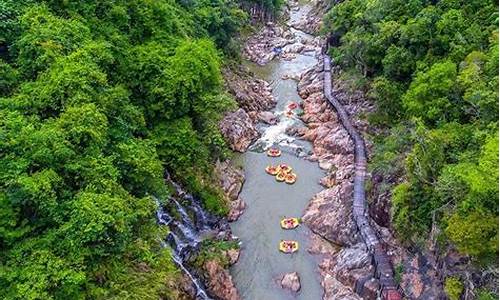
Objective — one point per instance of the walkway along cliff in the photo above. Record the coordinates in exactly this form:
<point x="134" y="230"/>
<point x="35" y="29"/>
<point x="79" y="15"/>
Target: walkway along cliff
<point x="383" y="267"/>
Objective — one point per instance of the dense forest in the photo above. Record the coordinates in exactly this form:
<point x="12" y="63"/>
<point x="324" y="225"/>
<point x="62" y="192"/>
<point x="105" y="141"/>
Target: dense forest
<point x="432" y="69"/>
<point x="97" y="100"/>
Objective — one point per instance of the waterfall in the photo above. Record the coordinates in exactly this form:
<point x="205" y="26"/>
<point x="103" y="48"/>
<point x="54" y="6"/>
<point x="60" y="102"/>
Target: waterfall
<point x="186" y="230"/>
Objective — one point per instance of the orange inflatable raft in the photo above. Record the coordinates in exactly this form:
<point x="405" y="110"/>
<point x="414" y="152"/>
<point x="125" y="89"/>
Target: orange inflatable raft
<point x="284" y="168"/>
<point x="273" y="152"/>
<point x="272" y="170"/>
<point x="291" y="178"/>
<point x="280" y="176"/>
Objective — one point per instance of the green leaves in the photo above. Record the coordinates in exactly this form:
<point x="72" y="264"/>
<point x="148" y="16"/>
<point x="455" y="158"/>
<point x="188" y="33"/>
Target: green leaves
<point x="430" y="96"/>
<point x="99" y="98"/>
<point x="45" y="38"/>
<point x="475" y="233"/>
<point x="433" y="73"/>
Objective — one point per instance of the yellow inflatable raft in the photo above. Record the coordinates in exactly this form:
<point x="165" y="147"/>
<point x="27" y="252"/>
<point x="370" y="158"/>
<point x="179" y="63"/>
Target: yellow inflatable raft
<point x="291" y="178"/>
<point x="280" y="176"/>
<point x="284" y="168"/>
<point x="272" y="170"/>
<point x="289" y="223"/>
<point x="289" y="246"/>
<point x="273" y="152"/>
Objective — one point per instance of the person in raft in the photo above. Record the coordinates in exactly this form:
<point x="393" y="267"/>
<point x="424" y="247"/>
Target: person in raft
<point x="288" y="245"/>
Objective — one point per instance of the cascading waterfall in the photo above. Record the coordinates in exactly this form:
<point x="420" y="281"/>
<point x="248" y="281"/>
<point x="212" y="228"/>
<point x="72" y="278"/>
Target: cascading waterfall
<point x="186" y="230"/>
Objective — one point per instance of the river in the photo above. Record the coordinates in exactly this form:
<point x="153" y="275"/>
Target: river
<point x="260" y="263"/>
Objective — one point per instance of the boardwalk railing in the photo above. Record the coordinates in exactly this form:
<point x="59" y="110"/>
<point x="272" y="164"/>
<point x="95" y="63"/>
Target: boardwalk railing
<point x="383" y="267"/>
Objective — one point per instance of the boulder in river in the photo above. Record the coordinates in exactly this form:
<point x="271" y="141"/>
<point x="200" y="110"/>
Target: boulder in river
<point x="239" y="130"/>
<point x="329" y="215"/>
<point x="267" y="117"/>
<point x="291" y="281"/>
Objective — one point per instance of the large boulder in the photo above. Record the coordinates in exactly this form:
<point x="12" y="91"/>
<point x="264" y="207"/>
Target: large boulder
<point x="267" y="117"/>
<point x="329" y="215"/>
<point x="252" y="94"/>
<point x="231" y="180"/>
<point x="238" y="130"/>
<point x="291" y="281"/>
<point x="236" y="209"/>
<point x="219" y="282"/>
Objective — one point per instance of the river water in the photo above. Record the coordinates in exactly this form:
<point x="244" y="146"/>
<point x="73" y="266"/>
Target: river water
<point x="260" y="263"/>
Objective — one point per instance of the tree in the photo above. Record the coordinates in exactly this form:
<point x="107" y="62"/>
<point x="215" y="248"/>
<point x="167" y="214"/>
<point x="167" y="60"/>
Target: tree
<point x="430" y="95"/>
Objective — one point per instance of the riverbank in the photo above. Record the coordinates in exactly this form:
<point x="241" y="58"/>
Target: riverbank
<point x="262" y="271"/>
<point x="346" y="267"/>
<point x="329" y="212"/>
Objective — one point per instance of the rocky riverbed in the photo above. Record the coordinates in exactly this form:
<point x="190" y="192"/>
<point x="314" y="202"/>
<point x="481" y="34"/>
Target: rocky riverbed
<point x="346" y="269"/>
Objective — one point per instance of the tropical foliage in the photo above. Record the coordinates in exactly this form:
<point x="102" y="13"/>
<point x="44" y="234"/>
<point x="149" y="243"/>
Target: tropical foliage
<point x="432" y="68"/>
<point x="97" y="99"/>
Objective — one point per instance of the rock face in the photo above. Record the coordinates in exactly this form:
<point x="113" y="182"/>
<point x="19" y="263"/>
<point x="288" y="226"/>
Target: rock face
<point x="185" y="288"/>
<point x="219" y="282"/>
<point x="252" y="94"/>
<point x="239" y="130"/>
<point x="330" y="216"/>
<point x="346" y="273"/>
<point x="231" y="180"/>
<point x="329" y="212"/>
<point x="349" y="271"/>
<point x="291" y="281"/>
<point x="233" y="255"/>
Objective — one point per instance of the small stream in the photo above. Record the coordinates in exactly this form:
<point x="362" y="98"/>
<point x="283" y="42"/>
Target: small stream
<point x="260" y="263"/>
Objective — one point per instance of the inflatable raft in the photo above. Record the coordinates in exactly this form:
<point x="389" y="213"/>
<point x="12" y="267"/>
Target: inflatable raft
<point x="292" y="106"/>
<point x="289" y="113"/>
<point x="284" y="168"/>
<point x="289" y="223"/>
<point x="291" y="178"/>
<point x="289" y="246"/>
<point x="272" y="170"/>
<point x="280" y="176"/>
<point x="273" y="152"/>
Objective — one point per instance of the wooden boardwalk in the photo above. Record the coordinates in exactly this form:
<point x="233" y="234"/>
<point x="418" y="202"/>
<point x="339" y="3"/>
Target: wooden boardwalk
<point x="383" y="266"/>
